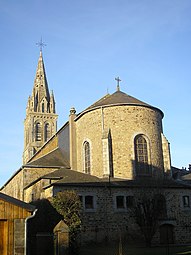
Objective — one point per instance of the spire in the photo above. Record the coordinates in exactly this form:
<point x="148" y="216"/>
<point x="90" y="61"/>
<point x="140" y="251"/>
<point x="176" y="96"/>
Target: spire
<point x="40" y="82"/>
<point x="52" y="102"/>
<point x="41" y="119"/>
<point x="40" y="100"/>
<point x="52" y="94"/>
<point x="40" y="94"/>
<point x="40" y="88"/>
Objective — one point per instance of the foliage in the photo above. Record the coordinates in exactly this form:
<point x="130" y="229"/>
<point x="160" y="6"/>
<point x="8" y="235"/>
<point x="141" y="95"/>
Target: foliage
<point x="68" y="204"/>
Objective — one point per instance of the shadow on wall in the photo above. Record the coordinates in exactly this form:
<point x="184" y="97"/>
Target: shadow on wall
<point x="144" y="170"/>
<point x="41" y="228"/>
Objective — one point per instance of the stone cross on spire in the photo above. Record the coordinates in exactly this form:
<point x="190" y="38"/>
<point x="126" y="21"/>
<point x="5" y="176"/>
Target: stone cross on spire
<point x="41" y="44"/>
<point x="118" y="81"/>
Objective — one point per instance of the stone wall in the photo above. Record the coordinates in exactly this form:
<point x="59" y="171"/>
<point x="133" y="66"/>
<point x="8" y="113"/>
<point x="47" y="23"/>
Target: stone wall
<point x="26" y="175"/>
<point x="180" y="215"/>
<point x="105" y="221"/>
<point x="37" y="191"/>
<point x="124" y="123"/>
<point x="14" y="186"/>
<point x="30" y="143"/>
<point x="166" y="156"/>
<point x="19" y="236"/>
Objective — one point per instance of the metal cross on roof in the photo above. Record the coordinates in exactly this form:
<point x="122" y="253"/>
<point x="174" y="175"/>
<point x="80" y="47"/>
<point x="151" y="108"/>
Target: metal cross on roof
<point x="118" y="81"/>
<point x="41" y="44"/>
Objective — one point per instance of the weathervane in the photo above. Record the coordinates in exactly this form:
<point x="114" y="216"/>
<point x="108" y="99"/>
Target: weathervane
<point x="41" y="44"/>
<point x="118" y="81"/>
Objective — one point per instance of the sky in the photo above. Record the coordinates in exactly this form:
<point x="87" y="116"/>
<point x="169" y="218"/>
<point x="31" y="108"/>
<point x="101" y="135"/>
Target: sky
<point x="147" y="43"/>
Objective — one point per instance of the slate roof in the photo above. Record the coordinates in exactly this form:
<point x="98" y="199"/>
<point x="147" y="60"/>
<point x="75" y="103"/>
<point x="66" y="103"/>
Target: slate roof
<point x="117" y="97"/>
<point x="186" y="177"/>
<point x="72" y="177"/>
<point x="16" y="202"/>
<point x="68" y="177"/>
<point x="178" y="173"/>
<point x="54" y="158"/>
<point x="120" y="183"/>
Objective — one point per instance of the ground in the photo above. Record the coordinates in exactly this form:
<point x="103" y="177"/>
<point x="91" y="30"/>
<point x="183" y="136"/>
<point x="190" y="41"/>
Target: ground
<point x="114" y="250"/>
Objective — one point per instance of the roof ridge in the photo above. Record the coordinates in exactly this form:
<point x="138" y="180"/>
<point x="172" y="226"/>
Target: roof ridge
<point x="99" y="100"/>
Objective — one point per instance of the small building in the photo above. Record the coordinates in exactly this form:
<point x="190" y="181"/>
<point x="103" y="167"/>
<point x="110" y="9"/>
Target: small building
<point x="13" y="219"/>
<point x="107" y="205"/>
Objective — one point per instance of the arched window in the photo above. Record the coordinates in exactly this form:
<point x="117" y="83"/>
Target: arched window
<point x="47" y="132"/>
<point x="87" y="163"/>
<point x="38" y="132"/>
<point x="42" y="107"/>
<point x="36" y="102"/>
<point x="141" y="156"/>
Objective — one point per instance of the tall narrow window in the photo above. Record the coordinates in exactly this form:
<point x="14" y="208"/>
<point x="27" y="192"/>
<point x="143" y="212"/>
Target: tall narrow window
<point x="38" y="131"/>
<point x="120" y="202"/>
<point x="46" y="131"/>
<point x="186" y="201"/>
<point x="42" y="107"/>
<point x="87" y="165"/>
<point x="36" y="102"/>
<point x="89" y="202"/>
<point x="141" y="156"/>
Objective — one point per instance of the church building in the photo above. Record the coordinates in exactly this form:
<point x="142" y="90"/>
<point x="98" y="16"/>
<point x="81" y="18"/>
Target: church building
<point x="108" y="153"/>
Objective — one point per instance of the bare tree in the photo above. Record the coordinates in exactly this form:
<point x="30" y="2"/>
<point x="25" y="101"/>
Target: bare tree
<point x="149" y="206"/>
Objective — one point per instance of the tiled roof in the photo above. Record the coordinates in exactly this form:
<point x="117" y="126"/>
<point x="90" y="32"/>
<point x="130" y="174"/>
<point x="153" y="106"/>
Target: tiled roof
<point x="67" y="177"/>
<point x="117" y="98"/>
<point x="71" y="176"/>
<point x="54" y="158"/>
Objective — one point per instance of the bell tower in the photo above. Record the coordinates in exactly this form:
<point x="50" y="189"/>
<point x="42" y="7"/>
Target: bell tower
<point x="41" y="118"/>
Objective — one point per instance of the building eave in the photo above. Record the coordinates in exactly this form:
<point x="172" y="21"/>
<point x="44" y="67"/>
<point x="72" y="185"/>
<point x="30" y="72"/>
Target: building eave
<point x="118" y="104"/>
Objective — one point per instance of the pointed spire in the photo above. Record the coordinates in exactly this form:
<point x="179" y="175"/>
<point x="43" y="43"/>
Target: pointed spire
<point x="40" y="79"/>
<point x="52" y="93"/>
<point x="40" y="88"/>
<point x="40" y="100"/>
<point x="52" y="102"/>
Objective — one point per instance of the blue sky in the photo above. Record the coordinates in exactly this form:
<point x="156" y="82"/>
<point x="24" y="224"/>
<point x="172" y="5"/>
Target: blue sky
<point x="89" y="43"/>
